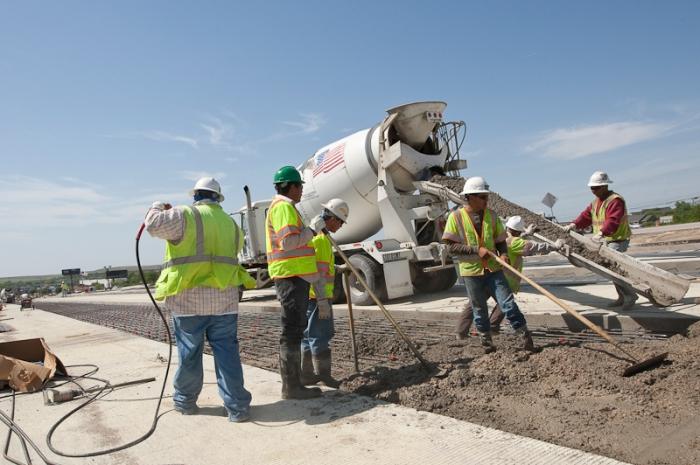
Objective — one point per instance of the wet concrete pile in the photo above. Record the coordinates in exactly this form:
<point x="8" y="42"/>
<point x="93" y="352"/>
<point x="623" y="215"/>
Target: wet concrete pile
<point x="568" y="393"/>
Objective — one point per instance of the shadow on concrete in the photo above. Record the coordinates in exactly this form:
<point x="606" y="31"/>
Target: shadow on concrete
<point x="332" y="406"/>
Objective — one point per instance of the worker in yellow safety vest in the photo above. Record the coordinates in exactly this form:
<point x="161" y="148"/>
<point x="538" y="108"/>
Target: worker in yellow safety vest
<point x="518" y="248"/>
<point x="199" y="283"/>
<point x="608" y="216"/>
<point x="291" y="262"/>
<point x="316" y="357"/>
<point x="470" y="233"/>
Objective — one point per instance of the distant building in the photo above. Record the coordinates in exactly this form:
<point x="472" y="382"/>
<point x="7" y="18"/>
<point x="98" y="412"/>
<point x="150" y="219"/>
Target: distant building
<point x="666" y="219"/>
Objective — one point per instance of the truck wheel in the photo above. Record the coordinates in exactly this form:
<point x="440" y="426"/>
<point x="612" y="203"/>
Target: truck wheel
<point x="338" y="289"/>
<point x="371" y="272"/>
<point x="433" y="281"/>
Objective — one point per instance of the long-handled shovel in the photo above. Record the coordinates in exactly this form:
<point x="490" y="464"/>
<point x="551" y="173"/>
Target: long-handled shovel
<point x="636" y="367"/>
<point x="348" y="298"/>
<point x="388" y="315"/>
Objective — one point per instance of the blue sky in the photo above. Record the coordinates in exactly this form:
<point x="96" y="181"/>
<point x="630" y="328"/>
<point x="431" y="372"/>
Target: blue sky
<point x="107" y="106"/>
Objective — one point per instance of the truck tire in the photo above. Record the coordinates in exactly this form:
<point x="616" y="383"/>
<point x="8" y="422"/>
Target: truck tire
<point x="338" y="290"/>
<point x="371" y="272"/>
<point x="432" y="281"/>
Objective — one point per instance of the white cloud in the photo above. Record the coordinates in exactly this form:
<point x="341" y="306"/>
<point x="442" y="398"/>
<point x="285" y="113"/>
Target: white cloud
<point x="195" y="175"/>
<point x="39" y="203"/>
<point x="582" y="141"/>
<point x="310" y="123"/>
<point x="163" y="136"/>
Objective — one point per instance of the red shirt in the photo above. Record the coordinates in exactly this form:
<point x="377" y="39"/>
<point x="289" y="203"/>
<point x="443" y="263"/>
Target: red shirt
<point x="613" y="216"/>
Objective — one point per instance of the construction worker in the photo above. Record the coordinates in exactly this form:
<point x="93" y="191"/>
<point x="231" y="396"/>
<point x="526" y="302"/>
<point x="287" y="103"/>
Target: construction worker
<point x="518" y="247"/>
<point x="291" y="262"/>
<point x="471" y="233"/>
<point x="608" y="215"/>
<point x="200" y="283"/>
<point x="315" y="347"/>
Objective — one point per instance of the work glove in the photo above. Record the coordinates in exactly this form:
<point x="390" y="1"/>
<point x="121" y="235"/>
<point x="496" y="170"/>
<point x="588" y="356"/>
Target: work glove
<point x="324" y="309"/>
<point x="317" y="224"/>
<point x="570" y="227"/>
<point x="528" y="231"/>
<point x="341" y="268"/>
<point x="559" y="244"/>
<point x="598" y="237"/>
<point x="460" y="249"/>
<point x="158" y="205"/>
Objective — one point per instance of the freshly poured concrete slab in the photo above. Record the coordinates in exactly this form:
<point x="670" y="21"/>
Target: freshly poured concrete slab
<point x="337" y="428"/>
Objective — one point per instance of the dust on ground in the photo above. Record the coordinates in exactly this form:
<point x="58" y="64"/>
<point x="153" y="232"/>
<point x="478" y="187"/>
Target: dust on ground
<point x="568" y="393"/>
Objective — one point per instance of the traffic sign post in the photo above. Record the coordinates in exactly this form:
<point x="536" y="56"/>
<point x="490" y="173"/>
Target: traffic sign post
<point x="70" y="272"/>
<point x="549" y="200"/>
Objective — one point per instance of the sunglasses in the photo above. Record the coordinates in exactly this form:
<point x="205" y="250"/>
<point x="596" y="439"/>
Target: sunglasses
<point x="596" y="188"/>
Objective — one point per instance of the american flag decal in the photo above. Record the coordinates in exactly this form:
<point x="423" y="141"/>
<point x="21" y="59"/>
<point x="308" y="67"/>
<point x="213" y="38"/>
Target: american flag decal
<point x="329" y="159"/>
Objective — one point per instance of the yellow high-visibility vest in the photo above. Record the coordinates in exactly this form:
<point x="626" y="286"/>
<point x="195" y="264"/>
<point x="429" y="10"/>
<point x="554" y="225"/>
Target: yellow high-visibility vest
<point x="623" y="231"/>
<point x="325" y="262"/>
<point x="282" y="220"/>
<point x="460" y="228"/>
<point x="206" y="256"/>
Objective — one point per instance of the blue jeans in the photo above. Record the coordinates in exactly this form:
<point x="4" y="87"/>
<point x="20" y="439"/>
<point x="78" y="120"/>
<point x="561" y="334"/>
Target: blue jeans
<point x="480" y="288"/>
<point x="222" y="333"/>
<point x="318" y="332"/>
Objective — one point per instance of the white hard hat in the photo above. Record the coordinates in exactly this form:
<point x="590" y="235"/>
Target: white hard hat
<point x="338" y="207"/>
<point x="515" y="223"/>
<point x="599" y="178"/>
<point x="208" y="184"/>
<point x="475" y="185"/>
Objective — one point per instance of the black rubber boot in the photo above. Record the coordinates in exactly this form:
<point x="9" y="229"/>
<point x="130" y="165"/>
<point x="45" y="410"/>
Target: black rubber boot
<point x="487" y="343"/>
<point x="290" y="371"/>
<point x="322" y="367"/>
<point x="308" y="376"/>
<point x="526" y="338"/>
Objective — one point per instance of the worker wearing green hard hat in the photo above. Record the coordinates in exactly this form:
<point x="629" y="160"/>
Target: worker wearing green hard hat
<point x="287" y="174"/>
<point x="292" y="266"/>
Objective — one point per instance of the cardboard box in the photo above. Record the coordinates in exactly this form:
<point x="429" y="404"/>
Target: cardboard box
<point x="27" y="364"/>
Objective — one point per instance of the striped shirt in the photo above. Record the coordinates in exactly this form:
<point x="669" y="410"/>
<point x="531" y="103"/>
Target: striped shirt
<point x="170" y="225"/>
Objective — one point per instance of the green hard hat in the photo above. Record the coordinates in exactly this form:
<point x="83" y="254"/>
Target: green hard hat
<point x="287" y="174"/>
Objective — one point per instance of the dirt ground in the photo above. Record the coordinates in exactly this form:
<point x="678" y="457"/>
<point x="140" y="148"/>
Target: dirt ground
<point x="568" y="393"/>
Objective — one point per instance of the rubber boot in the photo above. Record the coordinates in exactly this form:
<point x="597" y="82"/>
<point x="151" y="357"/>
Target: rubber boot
<point x="308" y="376"/>
<point x="322" y="367"/>
<point x="629" y="301"/>
<point x="526" y="338"/>
<point x="620" y="297"/>
<point x="487" y="343"/>
<point x="290" y="371"/>
<point x="465" y="322"/>
<point x="496" y="319"/>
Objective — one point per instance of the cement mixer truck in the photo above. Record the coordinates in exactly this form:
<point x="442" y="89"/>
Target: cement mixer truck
<point x="376" y="172"/>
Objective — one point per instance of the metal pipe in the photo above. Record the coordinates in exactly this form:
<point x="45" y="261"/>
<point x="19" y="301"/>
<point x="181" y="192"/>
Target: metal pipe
<point x="252" y="230"/>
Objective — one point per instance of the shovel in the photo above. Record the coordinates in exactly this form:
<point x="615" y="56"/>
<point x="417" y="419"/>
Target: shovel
<point x="636" y="367"/>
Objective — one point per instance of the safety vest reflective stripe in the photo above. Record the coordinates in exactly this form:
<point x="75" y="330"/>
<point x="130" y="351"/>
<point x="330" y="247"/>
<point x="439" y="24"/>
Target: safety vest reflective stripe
<point x="485" y="238"/>
<point x="284" y="232"/>
<point x="295" y="253"/>
<point x="300" y="261"/>
<point x="623" y="231"/>
<point x="325" y="263"/>
<point x="324" y="268"/>
<point x="199" y="245"/>
<point x="206" y="256"/>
